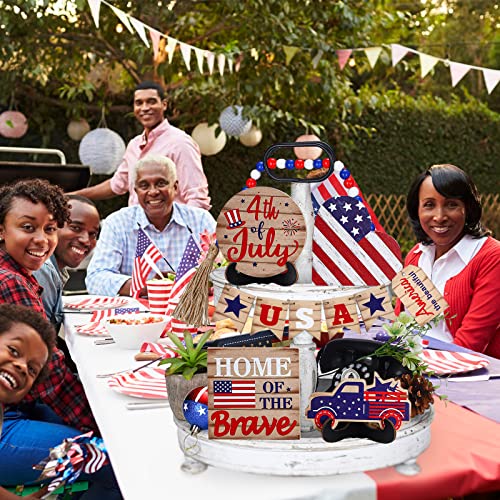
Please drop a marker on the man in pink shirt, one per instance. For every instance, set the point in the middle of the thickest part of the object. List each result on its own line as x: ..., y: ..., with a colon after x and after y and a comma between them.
x: 159, y: 138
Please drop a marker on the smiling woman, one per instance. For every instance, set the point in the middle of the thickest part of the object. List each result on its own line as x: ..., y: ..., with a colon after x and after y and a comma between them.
x: 459, y: 256
x: 31, y: 211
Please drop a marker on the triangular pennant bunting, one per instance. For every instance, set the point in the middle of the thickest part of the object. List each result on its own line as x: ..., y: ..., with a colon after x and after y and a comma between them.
x: 458, y: 71
x: 491, y: 79
x: 427, y: 63
x: 221, y: 61
x: 141, y: 30
x: 210, y: 57
x: 155, y: 39
x: 171, y: 44
x: 373, y: 53
x: 123, y: 18
x: 343, y: 56
x: 95, y: 6
x: 200, y: 55
x: 186, y: 54
x: 397, y: 53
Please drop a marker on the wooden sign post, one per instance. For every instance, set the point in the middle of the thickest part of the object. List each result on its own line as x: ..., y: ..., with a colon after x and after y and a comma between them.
x: 253, y: 393
x: 418, y: 294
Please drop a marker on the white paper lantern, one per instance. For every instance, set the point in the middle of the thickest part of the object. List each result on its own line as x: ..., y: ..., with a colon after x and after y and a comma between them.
x: 13, y: 124
x: 77, y: 129
x: 102, y: 150
x: 206, y: 138
x: 307, y: 153
x: 232, y: 122
x: 252, y: 137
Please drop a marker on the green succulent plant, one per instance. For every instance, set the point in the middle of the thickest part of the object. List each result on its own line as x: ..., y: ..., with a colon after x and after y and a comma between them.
x: 191, y: 358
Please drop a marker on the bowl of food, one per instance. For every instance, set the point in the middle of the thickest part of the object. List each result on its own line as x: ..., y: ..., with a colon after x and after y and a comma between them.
x: 130, y: 331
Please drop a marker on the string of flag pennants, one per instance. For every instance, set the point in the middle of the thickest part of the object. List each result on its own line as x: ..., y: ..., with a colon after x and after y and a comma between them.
x: 369, y: 305
x: 135, y: 26
x: 398, y: 52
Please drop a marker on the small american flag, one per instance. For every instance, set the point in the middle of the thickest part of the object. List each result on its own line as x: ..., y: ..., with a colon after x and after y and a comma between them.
x: 234, y: 394
x: 106, y: 313
x: 146, y: 257
x: 186, y: 269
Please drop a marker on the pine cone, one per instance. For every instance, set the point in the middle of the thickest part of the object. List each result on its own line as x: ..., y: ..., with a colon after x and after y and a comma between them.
x: 420, y: 392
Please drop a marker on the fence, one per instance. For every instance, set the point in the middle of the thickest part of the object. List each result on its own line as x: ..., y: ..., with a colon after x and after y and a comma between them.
x: 391, y: 212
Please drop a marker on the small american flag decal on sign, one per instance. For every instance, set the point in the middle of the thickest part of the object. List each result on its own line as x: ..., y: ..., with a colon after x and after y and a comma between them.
x: 234, y: 394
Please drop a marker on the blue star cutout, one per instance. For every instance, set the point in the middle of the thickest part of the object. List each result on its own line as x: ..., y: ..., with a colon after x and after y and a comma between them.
x: 286, y: 204
x: 234, y: 306
x: 242, y: 200
x: 374, y: 304
x: 254, y: 264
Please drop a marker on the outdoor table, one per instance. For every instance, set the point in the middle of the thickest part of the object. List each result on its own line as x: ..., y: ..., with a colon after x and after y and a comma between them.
x: 464, y: 455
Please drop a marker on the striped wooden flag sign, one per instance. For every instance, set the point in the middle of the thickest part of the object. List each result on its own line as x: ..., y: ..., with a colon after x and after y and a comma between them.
x: 347, y: 251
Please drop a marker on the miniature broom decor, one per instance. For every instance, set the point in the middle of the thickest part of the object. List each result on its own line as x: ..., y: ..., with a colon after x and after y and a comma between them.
x: 192, y: 308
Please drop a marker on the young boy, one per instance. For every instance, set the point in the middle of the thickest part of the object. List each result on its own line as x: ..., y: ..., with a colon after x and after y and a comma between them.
x: 26, y: 339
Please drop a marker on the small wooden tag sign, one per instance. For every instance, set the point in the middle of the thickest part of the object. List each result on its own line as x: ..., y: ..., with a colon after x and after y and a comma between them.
x: 253, y: 393
x: 418, y: 294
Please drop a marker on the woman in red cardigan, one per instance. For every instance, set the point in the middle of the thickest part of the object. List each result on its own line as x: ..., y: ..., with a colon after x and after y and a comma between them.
x: 459, y: 256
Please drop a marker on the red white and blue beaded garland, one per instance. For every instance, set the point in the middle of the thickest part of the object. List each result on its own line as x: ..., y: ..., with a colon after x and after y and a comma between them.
x: 281, y: 163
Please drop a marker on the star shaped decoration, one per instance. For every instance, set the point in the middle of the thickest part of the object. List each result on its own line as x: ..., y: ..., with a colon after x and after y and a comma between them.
x: 332, y: 207
x: 201, y: 410
x: 185, y: 406
x: 242, y: 200
x: 286, y: 204
x: 234, y: 306
x: 355, y: 231
x: 374, y: 304
x: 344, y: 219
x: 360, y: 205
x: 347, y: 207
x: 358, y: 218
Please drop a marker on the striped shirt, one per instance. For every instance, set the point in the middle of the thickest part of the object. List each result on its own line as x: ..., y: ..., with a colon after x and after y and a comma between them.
x: 113, y: 259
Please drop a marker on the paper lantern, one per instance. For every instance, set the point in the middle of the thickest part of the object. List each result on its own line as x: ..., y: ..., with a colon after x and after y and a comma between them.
x: 102, y: 150
x: 307, y: 153
x: 13, y: 124
x: 77, y: 129
x: 252, y: 137
x: 206, y: 138
x: 232, y: 122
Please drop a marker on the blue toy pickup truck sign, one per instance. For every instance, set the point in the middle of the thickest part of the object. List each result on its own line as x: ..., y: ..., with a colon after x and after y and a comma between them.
x: 353, y: 401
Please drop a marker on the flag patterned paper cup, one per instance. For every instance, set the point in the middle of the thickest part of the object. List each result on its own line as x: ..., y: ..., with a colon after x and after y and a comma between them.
x: 159, y: 295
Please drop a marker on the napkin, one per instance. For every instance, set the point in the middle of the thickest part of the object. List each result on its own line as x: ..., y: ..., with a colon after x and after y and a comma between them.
x: 159, y: 349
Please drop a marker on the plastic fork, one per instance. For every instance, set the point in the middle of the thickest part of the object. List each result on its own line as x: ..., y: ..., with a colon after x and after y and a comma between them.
x: 106, y: 375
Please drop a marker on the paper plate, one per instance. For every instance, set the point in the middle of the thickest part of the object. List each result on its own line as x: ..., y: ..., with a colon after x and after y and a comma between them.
x: 449, y: 363
x: 95, y: 303
x: 94, y: 329
x: 148, y: 383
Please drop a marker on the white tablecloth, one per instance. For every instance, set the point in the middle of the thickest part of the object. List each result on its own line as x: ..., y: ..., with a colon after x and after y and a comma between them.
x: 145, y: 454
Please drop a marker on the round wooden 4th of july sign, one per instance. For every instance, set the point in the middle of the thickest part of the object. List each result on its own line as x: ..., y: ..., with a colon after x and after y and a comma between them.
x: 262, y: 231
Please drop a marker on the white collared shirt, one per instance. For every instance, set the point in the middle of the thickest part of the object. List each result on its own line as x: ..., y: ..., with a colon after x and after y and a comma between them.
x: 444, y: 268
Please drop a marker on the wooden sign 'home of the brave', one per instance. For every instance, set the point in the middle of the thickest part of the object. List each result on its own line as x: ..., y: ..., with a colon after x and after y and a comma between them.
x: 253, y: 393
x: 260, y: 230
